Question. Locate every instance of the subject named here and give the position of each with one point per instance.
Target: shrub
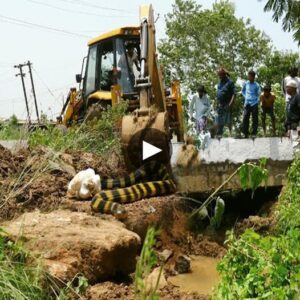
(266, 267)
(96, 136)
(261, 267)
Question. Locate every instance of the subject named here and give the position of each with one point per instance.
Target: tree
(276, 66)
(200, 41)
(289, 12)
(13, 121)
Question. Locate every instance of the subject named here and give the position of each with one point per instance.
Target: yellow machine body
(147, 101)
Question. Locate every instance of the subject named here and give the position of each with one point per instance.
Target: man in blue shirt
(225, 100)
(251, 93)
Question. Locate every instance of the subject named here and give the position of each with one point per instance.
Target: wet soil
(125, 291)
(202, 277)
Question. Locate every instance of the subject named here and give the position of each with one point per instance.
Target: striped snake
(131, 188)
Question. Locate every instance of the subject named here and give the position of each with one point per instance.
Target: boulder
(74, 242)
(183, 264)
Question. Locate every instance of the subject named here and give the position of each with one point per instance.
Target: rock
(75, 242)
(183, 264)
(152, 279)
(67, 158)
(60, 165)
(165, 255)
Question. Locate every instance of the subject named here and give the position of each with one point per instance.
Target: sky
(53, 35)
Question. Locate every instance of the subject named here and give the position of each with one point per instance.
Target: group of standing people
(253, 99)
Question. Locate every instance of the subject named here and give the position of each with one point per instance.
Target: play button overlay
(149, 150)
(145, 145)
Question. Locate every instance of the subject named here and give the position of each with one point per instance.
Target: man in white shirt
(201, 105)
(292, 75)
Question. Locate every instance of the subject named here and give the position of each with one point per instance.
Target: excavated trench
(182, 235)
(240, 206)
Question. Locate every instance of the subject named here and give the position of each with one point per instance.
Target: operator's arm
(136, 61)
(137, 66)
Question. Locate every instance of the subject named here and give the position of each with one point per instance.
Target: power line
(44, 83)
(86, 3)
(48, 89)
(26, 23)
(75, 11)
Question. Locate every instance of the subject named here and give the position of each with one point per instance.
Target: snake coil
(131, 188)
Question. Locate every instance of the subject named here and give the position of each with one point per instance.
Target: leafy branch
(251, 176)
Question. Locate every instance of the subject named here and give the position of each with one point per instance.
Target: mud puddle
(202, 278)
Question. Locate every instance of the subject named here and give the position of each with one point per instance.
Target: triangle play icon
(149, 150)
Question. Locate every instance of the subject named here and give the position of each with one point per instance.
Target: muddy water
(202, 278)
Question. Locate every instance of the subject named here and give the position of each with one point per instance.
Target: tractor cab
(113, 60)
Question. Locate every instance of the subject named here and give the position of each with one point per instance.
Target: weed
(266, 266)
(216, 220)
(261, 267)
(10, 130)
(288, 210)
(144, 267)
(99, 136)
(251, 176)
(18, 280)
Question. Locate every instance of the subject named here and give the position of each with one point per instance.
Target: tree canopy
(199, 41)
(276, 65)
(289, 12)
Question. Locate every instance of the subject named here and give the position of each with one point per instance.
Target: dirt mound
(10, 163)
(39, 179)
(72, 243)
(108, 166)
(258, 224)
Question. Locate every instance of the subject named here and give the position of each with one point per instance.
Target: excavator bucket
(152, 128)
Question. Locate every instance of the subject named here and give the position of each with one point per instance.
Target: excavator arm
(150, 121)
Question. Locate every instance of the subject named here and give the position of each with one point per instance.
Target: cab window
(106, 65)
(90, 80)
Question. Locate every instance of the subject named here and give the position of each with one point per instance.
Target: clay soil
(38, 180)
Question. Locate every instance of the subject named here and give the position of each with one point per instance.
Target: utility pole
(33, 92)
(20, 66)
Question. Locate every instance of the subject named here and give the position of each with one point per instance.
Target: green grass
(98, 136)
(11, 132)
(23, 278)
(288, 211)
(266, 266)
(17, 279)
(146, 262)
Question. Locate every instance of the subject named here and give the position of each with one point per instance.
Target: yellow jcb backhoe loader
(122, 65)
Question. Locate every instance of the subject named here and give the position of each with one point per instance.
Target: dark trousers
(250, 110)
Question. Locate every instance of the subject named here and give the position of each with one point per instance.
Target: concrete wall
(221, 158)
